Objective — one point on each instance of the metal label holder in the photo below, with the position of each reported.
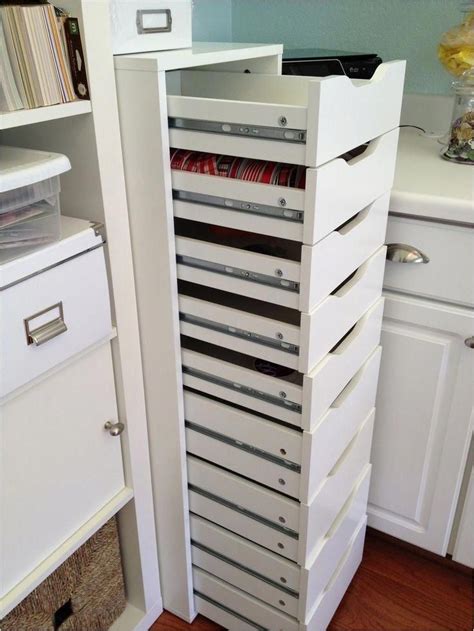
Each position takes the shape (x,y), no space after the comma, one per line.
(150,30)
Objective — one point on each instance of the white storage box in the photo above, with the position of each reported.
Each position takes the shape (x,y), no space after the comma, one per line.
(54,303)
(146,25)
(29,198)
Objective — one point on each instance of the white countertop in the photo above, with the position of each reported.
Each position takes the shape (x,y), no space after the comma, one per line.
(426,185)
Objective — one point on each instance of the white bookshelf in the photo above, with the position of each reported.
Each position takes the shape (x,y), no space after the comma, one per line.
(19,118)
(88,133)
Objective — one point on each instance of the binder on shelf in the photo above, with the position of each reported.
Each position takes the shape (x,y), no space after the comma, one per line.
(41,61)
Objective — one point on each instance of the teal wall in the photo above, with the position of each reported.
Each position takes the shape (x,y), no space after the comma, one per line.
(396,29)
(212,20)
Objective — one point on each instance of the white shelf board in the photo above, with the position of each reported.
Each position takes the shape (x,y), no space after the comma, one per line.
(134,619)
(19,118)
(54,560)
(201,54)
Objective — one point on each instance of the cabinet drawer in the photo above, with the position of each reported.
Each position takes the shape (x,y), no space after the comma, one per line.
(234,376)
(59,465)
(268,576)
(450,250)
(283,118)
(300,277)
(334,193)
(228,605)
(51,316)
(287,460)
(281,524)
(277,335)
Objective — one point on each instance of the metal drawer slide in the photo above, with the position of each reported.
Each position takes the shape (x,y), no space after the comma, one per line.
(227,270)
(278,212)
(254,131)
(237,387)
(293,349)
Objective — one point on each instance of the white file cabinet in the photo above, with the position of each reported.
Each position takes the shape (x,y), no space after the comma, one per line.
(276,292)
(60,436)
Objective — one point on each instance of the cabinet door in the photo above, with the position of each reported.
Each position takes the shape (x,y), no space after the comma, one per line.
(421,436)
(59,465)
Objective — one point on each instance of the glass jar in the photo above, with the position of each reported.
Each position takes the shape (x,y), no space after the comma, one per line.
(456,49)
(461,140)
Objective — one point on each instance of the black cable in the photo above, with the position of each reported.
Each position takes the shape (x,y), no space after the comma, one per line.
(414,127)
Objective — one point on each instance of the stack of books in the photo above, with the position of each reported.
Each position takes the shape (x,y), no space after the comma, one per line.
(38,60)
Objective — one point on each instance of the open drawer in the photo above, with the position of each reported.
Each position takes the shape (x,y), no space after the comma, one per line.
(300,120)
(282,458)
(268,576)
(334,193)
(277,334)
(283,393)
(270,519)
(277,270)
(239,611)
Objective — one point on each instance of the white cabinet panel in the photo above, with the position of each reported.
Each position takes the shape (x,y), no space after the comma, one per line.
(424,404)
(59,465)
(464,547)
(450,250)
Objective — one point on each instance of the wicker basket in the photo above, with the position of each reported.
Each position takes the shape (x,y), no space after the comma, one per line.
(86,593)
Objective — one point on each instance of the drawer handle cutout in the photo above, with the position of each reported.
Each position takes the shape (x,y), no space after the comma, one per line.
(403,253)
(45,331)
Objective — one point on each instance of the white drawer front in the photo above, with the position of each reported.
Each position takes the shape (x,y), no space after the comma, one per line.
(245,580)
(280,583)
(332,374)
(324,445)
(259,329)
(272,566)
(246,428)
(279,541)
(237,610)
(146,25)
(293,399)
(317,517)
(240,441)
(238,602)
(280,524)
(283,118)
(253,498)
(59,465)
(334,193)
(329,601)
(74,293)
(450,250)
(297,284)
(326,380)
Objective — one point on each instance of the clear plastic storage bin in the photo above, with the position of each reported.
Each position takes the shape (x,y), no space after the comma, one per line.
(29,199)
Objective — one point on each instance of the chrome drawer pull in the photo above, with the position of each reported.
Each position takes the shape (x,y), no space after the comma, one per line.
(147,25)
(469,342)
(114,429)
(47,331)
(402,253)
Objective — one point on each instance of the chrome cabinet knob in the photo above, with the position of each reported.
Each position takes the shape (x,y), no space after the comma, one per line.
(403,253)
(469,342)
(114,429)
